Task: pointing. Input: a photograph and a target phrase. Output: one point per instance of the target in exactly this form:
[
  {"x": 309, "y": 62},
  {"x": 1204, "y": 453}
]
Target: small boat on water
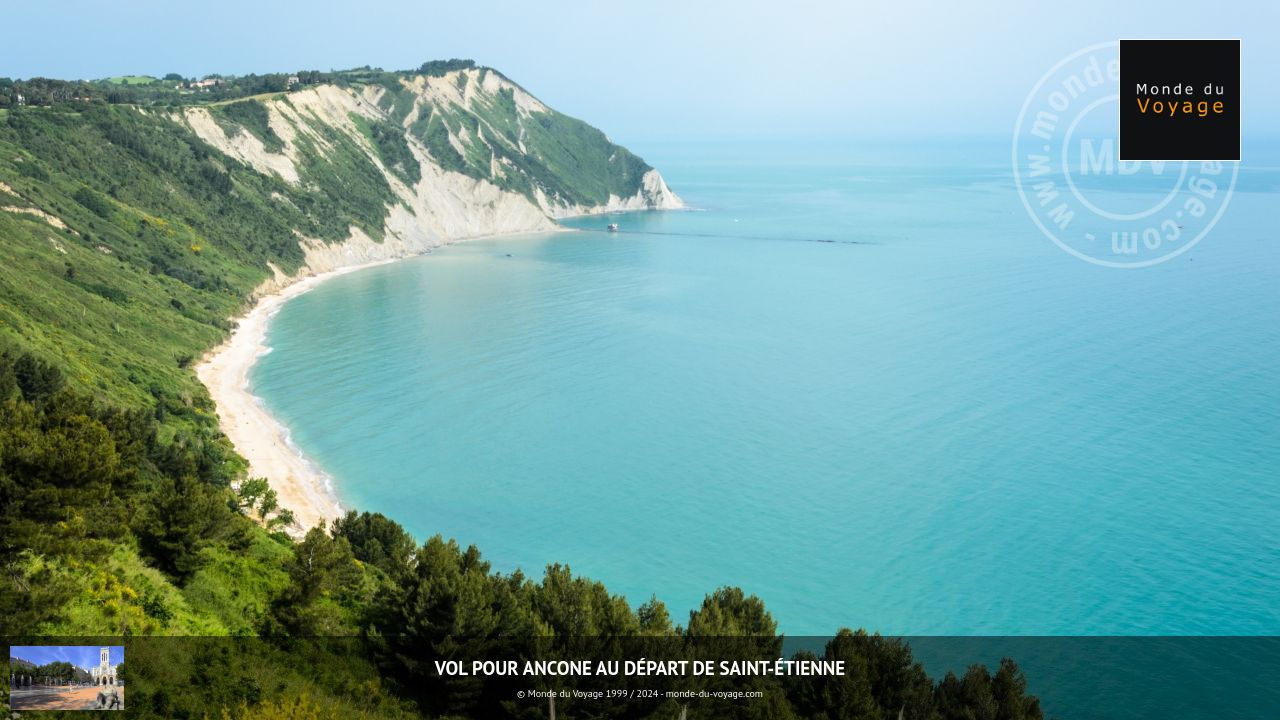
[{"x": 611, "y": 227}]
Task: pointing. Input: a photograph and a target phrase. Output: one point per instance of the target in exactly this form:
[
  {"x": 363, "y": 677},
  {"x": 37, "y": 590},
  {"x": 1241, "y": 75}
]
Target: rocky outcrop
[
  {"x": 488, "y": 162},
  {"x": 652, "y": 195}
]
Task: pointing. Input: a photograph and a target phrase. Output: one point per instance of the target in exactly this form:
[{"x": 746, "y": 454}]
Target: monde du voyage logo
[{"x": 1126, "y": 153}]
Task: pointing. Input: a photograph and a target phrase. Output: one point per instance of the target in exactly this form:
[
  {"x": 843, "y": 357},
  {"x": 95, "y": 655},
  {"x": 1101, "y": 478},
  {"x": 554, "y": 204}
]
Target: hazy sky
[{"x": 657, "y": 69}]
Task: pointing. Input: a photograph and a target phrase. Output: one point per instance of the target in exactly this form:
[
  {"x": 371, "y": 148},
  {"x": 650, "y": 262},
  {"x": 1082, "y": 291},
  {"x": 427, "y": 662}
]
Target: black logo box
[{"x": 1187, "y": 68}]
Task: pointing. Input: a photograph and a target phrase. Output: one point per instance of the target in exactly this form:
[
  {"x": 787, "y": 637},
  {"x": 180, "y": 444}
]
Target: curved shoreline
[{"x": 300, "y": 486}]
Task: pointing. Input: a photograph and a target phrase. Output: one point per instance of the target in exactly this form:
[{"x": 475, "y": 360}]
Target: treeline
[
  {"x": 125, "y": 512},
  {"x": 441, "y": 67},
  {"x": 78, "y": 478},
  {"x": 174, "y": 89},
  {"x": 46, "y": 91},
  {"x": 441, "y": 602},
  {"x": 58, "y": 671}
]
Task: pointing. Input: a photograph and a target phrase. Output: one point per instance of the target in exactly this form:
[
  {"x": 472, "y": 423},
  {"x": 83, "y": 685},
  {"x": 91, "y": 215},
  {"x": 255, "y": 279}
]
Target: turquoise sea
[{"x": 856, "y": 382}]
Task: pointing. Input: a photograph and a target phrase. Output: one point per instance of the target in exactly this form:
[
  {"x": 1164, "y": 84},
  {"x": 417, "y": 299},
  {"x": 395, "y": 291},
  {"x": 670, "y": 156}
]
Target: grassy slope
[
  {"x": 132, "y": 80},
  {"x": 165, "y": 238},
  {"x": 567, "y": 158}
]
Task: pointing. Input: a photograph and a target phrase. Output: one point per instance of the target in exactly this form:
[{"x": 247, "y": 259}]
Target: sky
[
  {"x": 82, "y": 656},
  {"x": 660, "y": 69}
]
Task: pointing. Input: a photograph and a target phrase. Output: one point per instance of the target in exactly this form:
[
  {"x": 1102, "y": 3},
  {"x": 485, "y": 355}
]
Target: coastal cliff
[
  {"x": 173, "y": 219},
  {"x": 464, "y": 154},
  {"x": 138, "y": 217}
]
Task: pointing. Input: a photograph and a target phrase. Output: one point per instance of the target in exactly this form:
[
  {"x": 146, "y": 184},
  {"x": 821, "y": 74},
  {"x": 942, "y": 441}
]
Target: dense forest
[
  {"x": 99, "y": 512},
  {"x": 126, "y": 243}
]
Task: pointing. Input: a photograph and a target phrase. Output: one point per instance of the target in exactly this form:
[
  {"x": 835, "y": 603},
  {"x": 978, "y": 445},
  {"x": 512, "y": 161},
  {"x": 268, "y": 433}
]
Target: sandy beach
[
  {"x": 259, "y": 437},
  {"x": 300, "y": 485}
]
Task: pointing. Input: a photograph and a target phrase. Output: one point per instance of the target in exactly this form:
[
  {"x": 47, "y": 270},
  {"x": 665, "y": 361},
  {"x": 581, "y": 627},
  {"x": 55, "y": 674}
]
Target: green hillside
[{"x": 128, "y": 239}]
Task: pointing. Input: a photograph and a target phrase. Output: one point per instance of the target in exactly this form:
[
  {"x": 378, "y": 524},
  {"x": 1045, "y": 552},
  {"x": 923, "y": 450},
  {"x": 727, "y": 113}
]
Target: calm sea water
[{"x": 937, "y": 423}]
